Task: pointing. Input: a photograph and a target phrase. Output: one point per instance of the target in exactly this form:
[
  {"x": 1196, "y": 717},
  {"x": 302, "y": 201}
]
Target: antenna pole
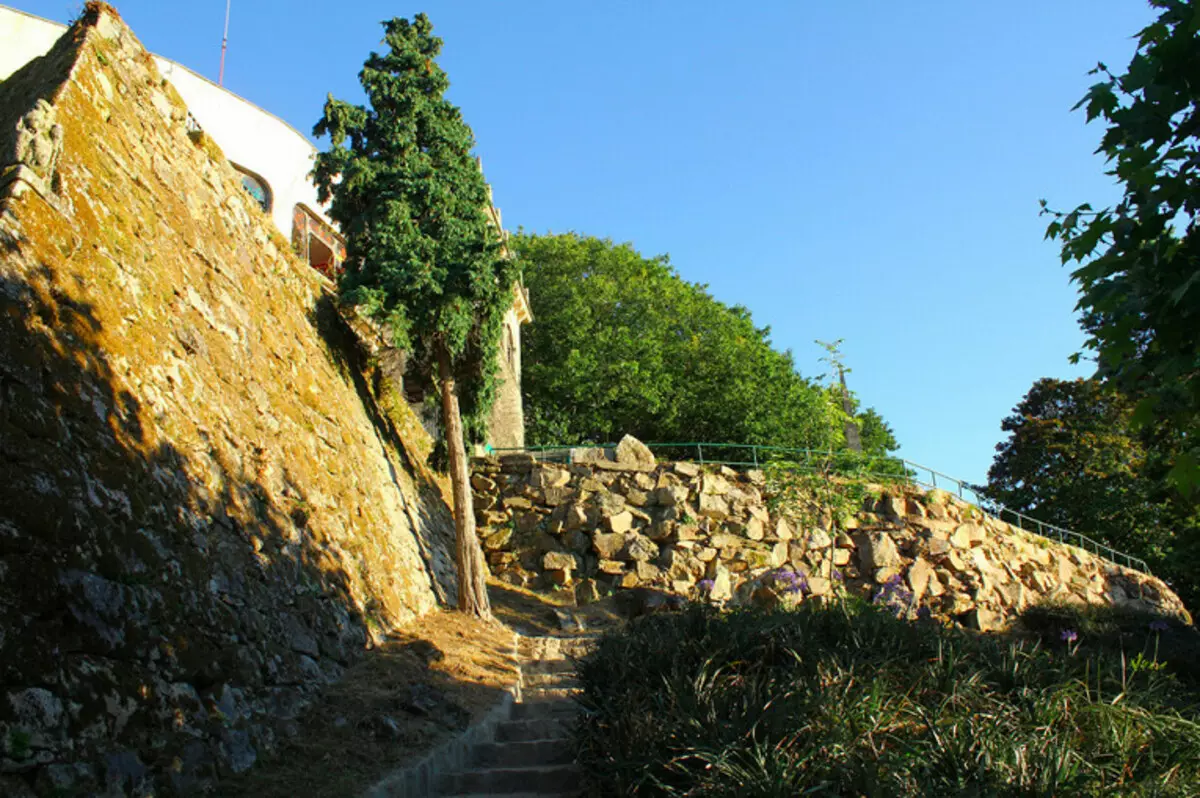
[{"x": 224, "y": 45}]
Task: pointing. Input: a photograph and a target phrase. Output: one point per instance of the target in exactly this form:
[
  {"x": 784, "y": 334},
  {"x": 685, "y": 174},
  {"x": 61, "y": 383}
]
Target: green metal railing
[{"x": 884, "y": 468}]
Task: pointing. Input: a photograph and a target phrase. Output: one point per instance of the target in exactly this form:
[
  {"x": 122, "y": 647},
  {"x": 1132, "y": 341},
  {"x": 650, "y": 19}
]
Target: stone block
[
  {"x": 608, "y": 546},
  {"x": 619, "y": 523},
  {"x": 559, "y": 560}
]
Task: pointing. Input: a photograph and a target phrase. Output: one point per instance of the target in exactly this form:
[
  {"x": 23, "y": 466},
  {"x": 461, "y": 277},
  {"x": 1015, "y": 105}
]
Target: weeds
[{"x": 848, "y": 700}]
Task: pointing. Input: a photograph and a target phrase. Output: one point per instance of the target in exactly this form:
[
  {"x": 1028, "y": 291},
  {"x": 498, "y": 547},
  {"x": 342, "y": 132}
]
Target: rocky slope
[
  {"x": 208, "y": 505},
  {"x": 716, "y": 534}
]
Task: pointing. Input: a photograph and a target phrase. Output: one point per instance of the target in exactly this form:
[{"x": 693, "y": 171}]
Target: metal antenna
[{"x": 224, "y": 45}]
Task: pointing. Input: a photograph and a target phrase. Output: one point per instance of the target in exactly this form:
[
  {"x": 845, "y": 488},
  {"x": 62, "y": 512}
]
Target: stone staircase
[{"x": 531, "y": 752}]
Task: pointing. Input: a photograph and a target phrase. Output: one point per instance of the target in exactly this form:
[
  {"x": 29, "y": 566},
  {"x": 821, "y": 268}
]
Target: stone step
[
  {"x": 523, "y": 754},
  {"x": 536, "y": 694},
  {"x": 506, "y": 781},
  {"x": 528, "y": 729},
  {"x": 549, "y": 666},
  {"x": 534, "y": 709},
  {"x": 549, "y": 680}
]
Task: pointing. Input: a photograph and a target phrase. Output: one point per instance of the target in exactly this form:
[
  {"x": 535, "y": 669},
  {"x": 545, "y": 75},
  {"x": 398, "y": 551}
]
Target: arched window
[{"x": 256, "y": 187}]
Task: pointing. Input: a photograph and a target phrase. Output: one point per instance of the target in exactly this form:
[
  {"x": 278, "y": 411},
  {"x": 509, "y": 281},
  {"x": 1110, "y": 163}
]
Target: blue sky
[{"x": 859, "y": 170}]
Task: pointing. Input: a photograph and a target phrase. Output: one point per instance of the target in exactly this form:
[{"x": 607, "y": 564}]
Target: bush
[{"x": 851, "y": 701}]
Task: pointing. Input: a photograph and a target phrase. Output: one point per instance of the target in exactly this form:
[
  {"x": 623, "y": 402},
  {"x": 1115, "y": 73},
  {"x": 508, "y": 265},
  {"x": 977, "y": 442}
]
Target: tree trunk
[{"x": 472, "y": 575}]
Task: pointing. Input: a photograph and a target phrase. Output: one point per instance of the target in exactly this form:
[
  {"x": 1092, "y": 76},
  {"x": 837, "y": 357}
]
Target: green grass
[{"x": 851, "y": 701}]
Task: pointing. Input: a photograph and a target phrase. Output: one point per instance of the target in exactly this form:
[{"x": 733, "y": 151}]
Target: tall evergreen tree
[{"x": 422, "y": 256}]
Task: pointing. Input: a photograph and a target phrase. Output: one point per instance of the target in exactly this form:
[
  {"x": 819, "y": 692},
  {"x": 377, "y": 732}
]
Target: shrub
[{"x": 851, "y": 701}]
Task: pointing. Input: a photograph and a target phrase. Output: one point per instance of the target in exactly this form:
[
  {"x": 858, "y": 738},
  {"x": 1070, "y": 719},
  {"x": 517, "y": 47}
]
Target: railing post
[{"x": 700, "y": 454}]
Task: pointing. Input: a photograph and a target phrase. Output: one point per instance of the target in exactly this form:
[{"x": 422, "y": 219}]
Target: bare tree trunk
[{"x": 472, "y": 575}]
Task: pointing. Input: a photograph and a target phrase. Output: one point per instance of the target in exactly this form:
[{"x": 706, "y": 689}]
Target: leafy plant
[
  {"x": 1139, "y": 261},
  {"x": 621, "y": 343},
  {"x": 849, "y": 700}
]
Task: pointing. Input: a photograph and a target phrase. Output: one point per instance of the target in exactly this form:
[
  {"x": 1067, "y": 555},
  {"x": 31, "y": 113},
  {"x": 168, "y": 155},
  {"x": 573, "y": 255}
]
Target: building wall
[{"x": 506, "y": 429}]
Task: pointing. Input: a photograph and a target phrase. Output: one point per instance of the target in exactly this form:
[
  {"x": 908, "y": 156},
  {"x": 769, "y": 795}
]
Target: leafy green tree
[
  {"x": 878, "y": 438},
  {"x": 422, "y": 257},
  {"x": 1072, "y": 459},
  {"x": 1139, "y": 272},
  {"x": 621, "y": 344}
]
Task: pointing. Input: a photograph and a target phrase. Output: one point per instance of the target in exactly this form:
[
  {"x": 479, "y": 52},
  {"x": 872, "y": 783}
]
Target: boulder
[
  {"x": 722, "y": 587},
  {"x": 669, "y": 495},
  {"x": 818, "y": 586},
  {"x": 640, "y": 548},
  {"x": 877, "y": 550},
  {"x": 608, "y": 546},
  {"x": 715, "y": 485},
  {"x": 714, "y": 507},
  {"x": 498, "y": 541},
  {"x": 632, "y": 452},
  {"x": 983, "y": 619},
  {"x": 636, "y": 497},
  {"x": 549, "y": 476},
  {"x": 894, "y": 506},
  {"x": 482, "y": 484},
  {"x": 619, "y": 523},
  {"x": 783, "y": 530},
  {"x": 754, "y": 529},
  {"x": 919, "y": 575},
  {"x": 818, "y": 539},
  {"x": 646, "y": 572},
  {"x": 686, "y": 469},
  {"x": 575, "y": 518},
  {"x": 559, "y": 560},
  {"x": 964, "y": 536}
]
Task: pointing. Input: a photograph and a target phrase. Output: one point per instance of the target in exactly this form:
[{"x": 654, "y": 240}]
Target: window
[
  {"x": 256, "y": 187},
  {"x": 316, "y": 242}
]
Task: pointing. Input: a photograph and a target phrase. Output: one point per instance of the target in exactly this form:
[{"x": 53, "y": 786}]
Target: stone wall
[
  {"x": 209, "y": 504},
  {"x": 609, "y": 523}
]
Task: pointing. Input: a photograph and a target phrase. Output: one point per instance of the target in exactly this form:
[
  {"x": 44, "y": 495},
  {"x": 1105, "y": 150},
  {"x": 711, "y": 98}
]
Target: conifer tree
[{"x": 422, "y": 257}]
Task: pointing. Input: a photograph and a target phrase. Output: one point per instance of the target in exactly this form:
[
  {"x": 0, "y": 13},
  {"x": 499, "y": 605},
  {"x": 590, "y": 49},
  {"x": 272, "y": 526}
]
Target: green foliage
[
  {"x": 850, "y": 701},
  {"x": 877, "y": 435},
  {"x": 1165, "y": 643},
  {"x": 1073, "y": 460},
  {"x": 621, "y": 344},
  {"x": 1139, "y": 272},
  {"x": 422, "y": 256}
]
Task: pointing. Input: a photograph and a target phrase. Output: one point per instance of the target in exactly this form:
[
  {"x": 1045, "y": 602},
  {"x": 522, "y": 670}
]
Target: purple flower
[
  {"x": 1069, "y": 635},
  {"x": 1159, "y": 626},
  {"x": 706, "y": 585},
  {"x": 893, "y": 581},
  {"x": 838, "y": 575}
]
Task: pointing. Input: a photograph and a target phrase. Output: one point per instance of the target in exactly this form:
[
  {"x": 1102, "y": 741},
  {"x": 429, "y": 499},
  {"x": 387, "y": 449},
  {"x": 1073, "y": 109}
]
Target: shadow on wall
[{"x": 156, "y": 627}]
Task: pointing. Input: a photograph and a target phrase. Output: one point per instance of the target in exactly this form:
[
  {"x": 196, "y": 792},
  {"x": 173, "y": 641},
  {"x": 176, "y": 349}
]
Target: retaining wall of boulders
[{"x": 607, "y": 521}]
